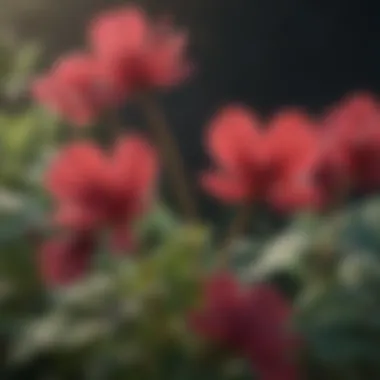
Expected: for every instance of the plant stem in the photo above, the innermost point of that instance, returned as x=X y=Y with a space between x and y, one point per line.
x=171 y=156
x=114 y=128
x=236 y=229
x=74 y=133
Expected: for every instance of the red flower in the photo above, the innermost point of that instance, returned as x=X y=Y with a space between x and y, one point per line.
x=138 y=53
x=220 y=318
x=129 y=53
x=65 y=259
x=331 y=174
x=353 y=129
x=251 y=321
x=274 y=165
x=96 y=192
x=271 y=345
x=74 y=89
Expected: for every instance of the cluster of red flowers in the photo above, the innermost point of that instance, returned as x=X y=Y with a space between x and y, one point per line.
x=253 y=322
x=296 y=161
x=128 y=53
x=96 y=193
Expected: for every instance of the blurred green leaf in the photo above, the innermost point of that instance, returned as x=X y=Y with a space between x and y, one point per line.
x=284 y=251
x=156 y=226
x=23 y=66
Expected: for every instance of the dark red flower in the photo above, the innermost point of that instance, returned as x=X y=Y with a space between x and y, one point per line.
x=65 y=259
x=220 y=318
x=136 y=52
x=353 y=130
x=74 y=89
x=251 y=321
x=273 y=165
x=97 y=192
x=271 y=346
x=331 y=175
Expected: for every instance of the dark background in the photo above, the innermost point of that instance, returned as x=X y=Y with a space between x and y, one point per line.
x=274 y=53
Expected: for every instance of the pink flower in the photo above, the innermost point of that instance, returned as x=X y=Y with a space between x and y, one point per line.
x=251 y=321
x=74 y=89
x=95 y=191
x=273 y=165
x=353 y=131
x=138 y=53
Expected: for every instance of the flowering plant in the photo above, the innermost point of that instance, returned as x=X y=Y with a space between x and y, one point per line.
x=123 y=287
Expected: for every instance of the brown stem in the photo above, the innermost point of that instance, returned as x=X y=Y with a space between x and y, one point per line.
x=116 y=123
x=74 y=133
x=171 y=156
x=114 y=126
x=236 y=229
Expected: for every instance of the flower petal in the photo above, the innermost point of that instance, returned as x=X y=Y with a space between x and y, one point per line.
x=233 y=135
x=75 y=89
x=354 y=128
x=297 y=188
x=271 y=344
x=292 y=137
x=65 y=259
x=76 y=169
x=354 y=116
x=165 y=60
x=135 y=165
x=75 y=216
x=118 y=32
x=225 y=188
x=122 y=240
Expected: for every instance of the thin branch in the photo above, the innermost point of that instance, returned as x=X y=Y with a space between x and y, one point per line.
x=237 y=228
x=171 y=156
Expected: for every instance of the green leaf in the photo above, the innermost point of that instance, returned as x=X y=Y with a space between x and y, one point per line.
x=282 y=253
x=156 y=226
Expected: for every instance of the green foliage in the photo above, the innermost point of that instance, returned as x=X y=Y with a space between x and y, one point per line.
x=27 y=133
x=132 y=319
x=339 y=306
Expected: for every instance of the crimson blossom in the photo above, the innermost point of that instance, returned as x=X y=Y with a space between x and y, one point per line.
x=96 y=192
x=352 y=130
x=252 y=322
x=275 y=164
x=128 y=54
x=63 y=259
x=74 y=89
x=139 y=53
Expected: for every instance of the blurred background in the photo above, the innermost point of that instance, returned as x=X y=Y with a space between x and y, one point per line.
x=268 y=54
